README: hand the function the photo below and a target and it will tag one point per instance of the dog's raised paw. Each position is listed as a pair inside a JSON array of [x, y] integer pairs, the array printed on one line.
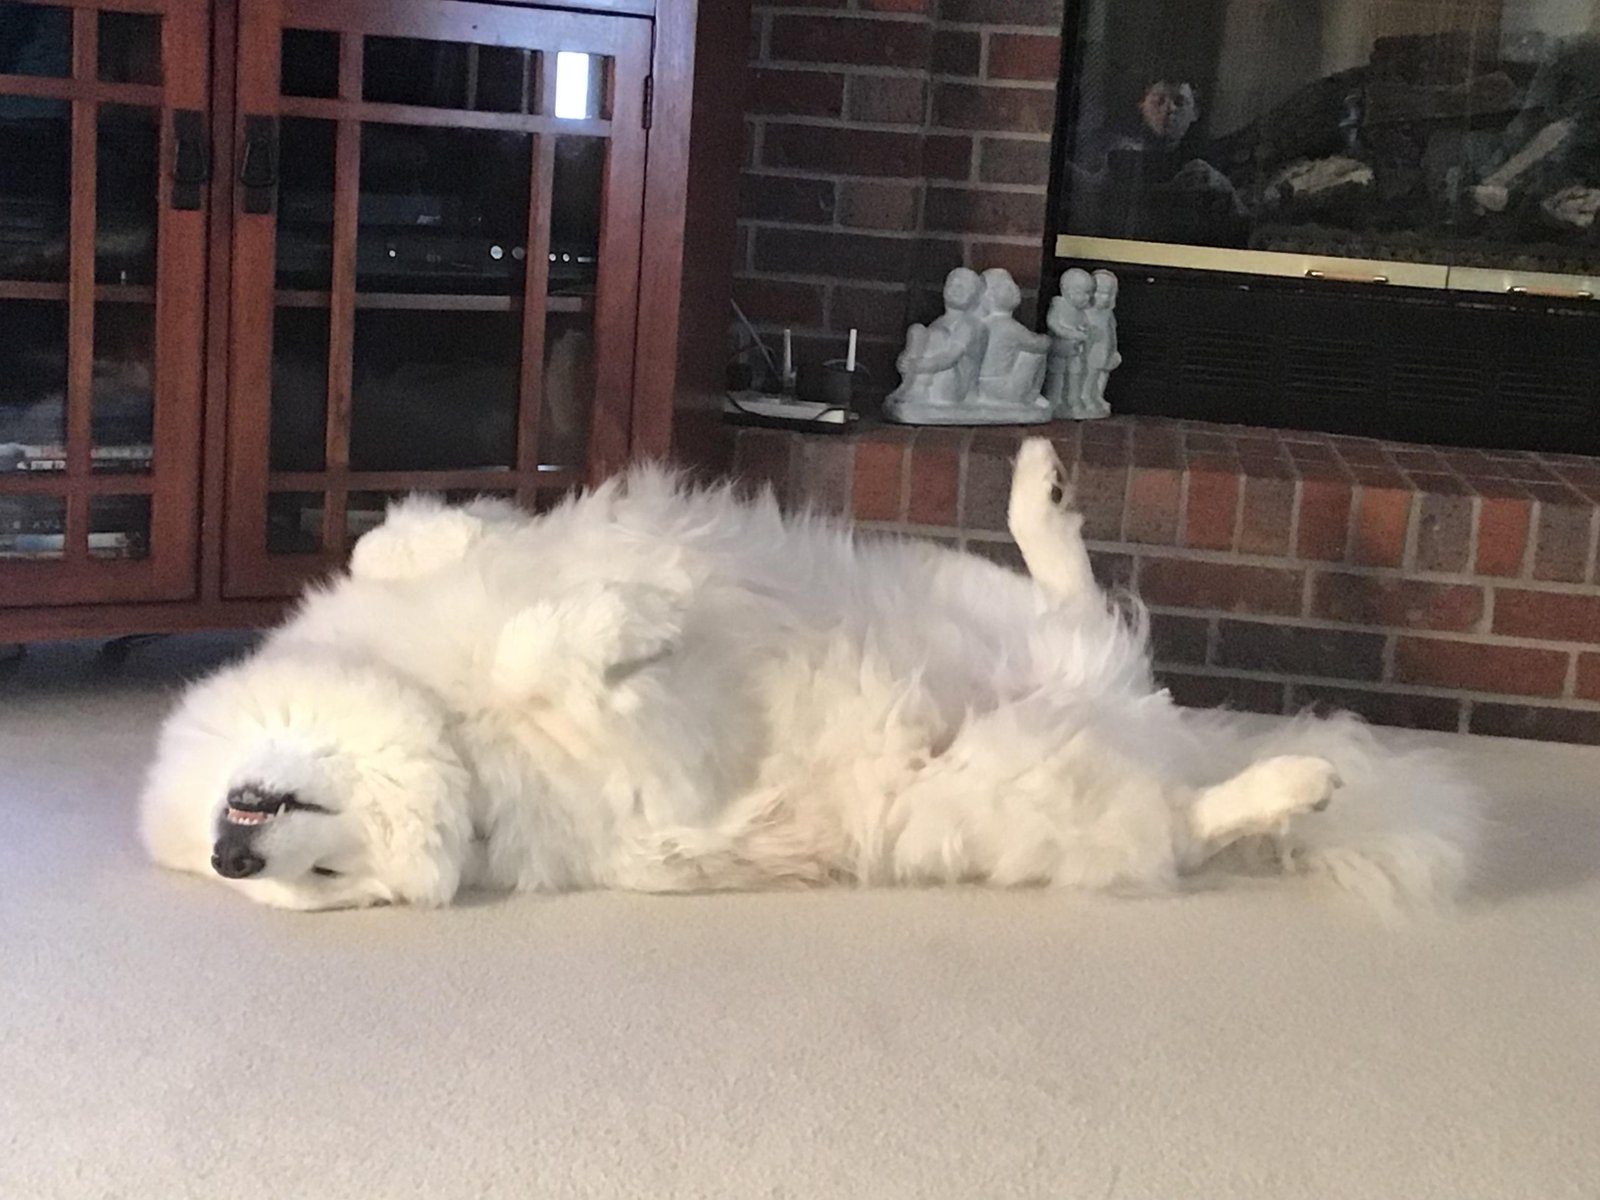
[[1039, 480]]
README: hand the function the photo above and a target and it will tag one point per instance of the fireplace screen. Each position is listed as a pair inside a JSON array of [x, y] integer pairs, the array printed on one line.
[[1435, 143]]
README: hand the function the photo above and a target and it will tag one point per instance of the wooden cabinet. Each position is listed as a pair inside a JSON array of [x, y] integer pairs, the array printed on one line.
[[447, 246]]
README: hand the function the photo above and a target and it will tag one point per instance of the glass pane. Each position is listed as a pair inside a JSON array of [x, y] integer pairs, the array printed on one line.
[[568, 390], [124, 386], [305, 203], [119, 526], [442, 210], [33, 385], [127, 190], [575, 214], [310, 63], [299, 389], [413, 71], [504, 80], [33, 526], [294, 522], [434, 390], [35, 187], [582, 86], [35, 39], [130, 47]]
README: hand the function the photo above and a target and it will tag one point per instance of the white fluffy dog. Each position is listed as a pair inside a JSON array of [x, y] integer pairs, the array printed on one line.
[[664, 689]]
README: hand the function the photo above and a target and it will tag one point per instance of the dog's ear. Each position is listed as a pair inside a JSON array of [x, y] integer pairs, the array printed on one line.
[[588, 643], [420, 535]]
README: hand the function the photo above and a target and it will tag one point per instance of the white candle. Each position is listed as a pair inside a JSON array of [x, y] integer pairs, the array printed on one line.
[[788, 355], [850, 355]]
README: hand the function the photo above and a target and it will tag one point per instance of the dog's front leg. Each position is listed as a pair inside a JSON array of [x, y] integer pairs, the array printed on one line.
[[1047, 528], [1261, 799]]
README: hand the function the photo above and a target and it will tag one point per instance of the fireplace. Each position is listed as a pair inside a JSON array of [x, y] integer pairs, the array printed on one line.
[[1371, 217]]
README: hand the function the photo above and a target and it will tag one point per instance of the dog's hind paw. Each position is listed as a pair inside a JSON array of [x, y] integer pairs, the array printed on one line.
[[1039, 480], [419, 536]]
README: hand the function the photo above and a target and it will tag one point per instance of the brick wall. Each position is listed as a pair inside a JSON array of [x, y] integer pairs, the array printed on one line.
[[1442, 589], [889, 141]]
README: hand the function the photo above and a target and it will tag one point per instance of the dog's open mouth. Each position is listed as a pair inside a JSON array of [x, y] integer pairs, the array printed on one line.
[[256, 806]]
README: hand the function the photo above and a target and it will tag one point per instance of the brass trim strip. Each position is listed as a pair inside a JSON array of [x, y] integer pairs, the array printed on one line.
[[1525, 283], [1252, 262]]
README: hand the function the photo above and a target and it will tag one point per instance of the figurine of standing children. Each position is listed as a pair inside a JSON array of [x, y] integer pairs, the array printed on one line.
[[1067, 321], [1103, 356]]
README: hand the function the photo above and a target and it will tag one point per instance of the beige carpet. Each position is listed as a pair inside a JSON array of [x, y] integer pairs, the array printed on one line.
[[161, 1038]]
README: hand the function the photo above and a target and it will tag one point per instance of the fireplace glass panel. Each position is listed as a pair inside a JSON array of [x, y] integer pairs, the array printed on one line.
[[1453, 133]]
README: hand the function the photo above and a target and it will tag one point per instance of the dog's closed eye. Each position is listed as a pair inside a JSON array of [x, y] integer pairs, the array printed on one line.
[[328, 872]]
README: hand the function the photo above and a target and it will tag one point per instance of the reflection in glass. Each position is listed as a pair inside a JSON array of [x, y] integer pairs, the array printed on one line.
[[299, 389], [310, 63], [457, 75], [35, 187], [568, 390], [294, 522], [119, 526], [130, 47], [442, 210], [127, 191], [580, 164], [434, 390], [33, 386], [35, 39], [581, 86], [123, 394], [305, 203], [33, 527]]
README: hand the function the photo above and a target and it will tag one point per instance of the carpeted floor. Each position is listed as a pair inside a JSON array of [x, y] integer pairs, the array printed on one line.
[[161, 1038]]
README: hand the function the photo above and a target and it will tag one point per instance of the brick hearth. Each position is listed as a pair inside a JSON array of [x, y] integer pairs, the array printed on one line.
[[1434, 588]]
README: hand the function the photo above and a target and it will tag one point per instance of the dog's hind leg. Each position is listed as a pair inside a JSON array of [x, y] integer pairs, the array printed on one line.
[[1261, 799], [1047, 528]]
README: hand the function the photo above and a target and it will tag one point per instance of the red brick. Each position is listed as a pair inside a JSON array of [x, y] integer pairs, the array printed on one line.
[[935, 478], [1213, 506], [1016, 110], [879, 466], [842, 151], [823, 481], [1024, 56], [1324, 519], [761, 459], [795, 93], [1113, 572], [1299, 650], [947, 156], [1102, 494], [1002, 12], [1444, 532], [1565, 538], [1379, 536], [787, 198], [1479, 667], [1176, 639], [1537, 722], [1228, 587], [1502, 534], [779, 302], [935, 258], [1396, 603], [871, 310], [1022, 260], [971, 210], [878, 205], [859, 41], [1268, 514], [1004, 553], [889, 99], [986, 498], [891, 6], [956, 52], [1153, 499], [833, 255], [1589, 676], [1014, 160], [1548, 616]]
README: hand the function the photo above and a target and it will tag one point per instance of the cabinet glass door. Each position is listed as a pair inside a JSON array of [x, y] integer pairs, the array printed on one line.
[[103, 160], [435, 264]]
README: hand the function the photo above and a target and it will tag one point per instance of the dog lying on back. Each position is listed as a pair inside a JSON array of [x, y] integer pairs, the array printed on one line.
[[665, 689]]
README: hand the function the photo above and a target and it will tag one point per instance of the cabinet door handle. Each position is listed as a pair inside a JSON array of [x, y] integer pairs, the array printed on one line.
[[191, 162], [258, 166]]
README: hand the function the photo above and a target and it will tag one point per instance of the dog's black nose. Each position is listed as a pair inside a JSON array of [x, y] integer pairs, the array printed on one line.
[[236, 862]]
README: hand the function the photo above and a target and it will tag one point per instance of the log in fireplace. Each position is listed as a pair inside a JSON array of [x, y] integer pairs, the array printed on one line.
[[1375, 217]]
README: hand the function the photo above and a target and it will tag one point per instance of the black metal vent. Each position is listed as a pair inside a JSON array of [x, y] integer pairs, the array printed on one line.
[[1315, 366], [1225, 358]]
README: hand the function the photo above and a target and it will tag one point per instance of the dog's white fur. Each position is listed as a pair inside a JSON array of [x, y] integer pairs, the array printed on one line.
[[666, 689]]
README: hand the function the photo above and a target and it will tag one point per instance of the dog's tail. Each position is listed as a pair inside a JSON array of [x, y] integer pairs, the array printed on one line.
[[1402, 829]]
